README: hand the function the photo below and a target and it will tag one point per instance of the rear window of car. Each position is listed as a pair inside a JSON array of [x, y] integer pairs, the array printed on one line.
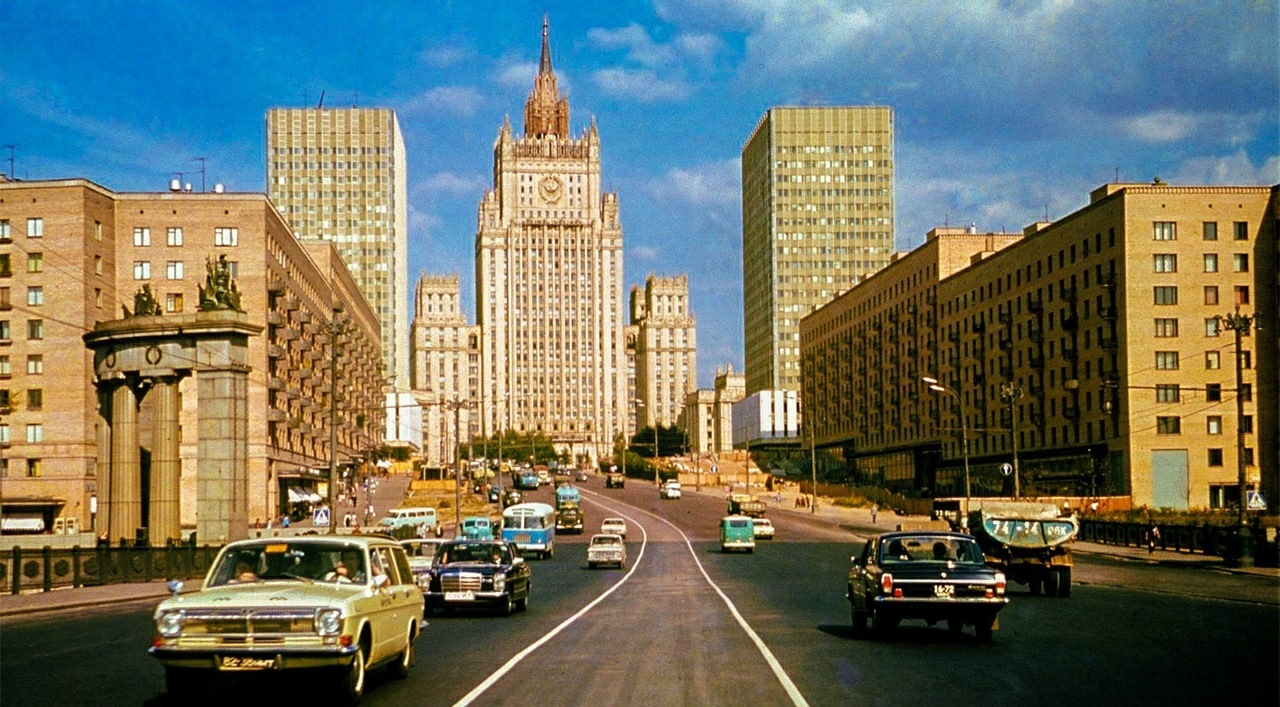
[[739, 524], [926, 548]]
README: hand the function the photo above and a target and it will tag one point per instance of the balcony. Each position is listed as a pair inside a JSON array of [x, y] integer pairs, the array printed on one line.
[[275, 383], [1036, 360], [1071, 412], [953, 336], [979, 326], [1006, 343], [1071, 353], [1108, 280], [1035, 306], [274, 351], [1109, 343], [1071, 322], [1036, 335], [1006, 369], [1005, 317], [1108, 311], [1069, 293], [275, 318], [274, 415]]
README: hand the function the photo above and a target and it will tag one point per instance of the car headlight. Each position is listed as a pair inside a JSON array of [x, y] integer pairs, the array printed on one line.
[[499, 582], [170, 624], [329, 622]]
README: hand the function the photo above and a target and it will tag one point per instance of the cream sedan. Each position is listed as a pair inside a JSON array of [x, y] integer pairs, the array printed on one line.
[[343, 602]]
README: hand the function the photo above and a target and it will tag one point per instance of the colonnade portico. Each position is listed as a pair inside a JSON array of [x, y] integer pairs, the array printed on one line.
[[146, 357]]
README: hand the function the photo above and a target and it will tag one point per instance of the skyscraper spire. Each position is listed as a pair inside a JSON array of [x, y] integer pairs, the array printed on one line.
[[544, 65], [546, 113]]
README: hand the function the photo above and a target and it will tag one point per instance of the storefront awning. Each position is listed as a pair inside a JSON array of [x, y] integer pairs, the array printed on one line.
[[22, 523]]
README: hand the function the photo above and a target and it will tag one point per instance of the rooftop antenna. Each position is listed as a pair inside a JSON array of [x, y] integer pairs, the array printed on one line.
[[12, 175], [1117, 175], [1046, 212], [321, 103], [202, 161]]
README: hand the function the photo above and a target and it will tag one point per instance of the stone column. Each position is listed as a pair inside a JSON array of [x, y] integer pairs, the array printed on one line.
[[164, 519], [222, 480], [125, 509], [102, 465]]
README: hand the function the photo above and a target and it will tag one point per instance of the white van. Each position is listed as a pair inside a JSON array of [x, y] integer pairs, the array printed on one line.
[[411, 517]]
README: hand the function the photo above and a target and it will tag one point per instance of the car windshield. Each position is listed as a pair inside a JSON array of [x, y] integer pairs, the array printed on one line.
[[473, 552], [929, 548], [606, 541], [290, 561], [613, 522]]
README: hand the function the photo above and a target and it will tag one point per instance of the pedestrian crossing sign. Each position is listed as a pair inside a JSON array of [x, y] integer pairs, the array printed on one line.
[[320, 516], [1256, 501]]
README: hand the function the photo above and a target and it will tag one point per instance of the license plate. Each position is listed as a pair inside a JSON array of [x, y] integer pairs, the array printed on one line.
[[522, 538], [945, 591], [459, 596], [235, 662]]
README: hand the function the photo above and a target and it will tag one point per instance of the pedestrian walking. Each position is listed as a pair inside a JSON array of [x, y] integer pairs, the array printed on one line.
[[875, 511], [284, 521], [1152, 536]]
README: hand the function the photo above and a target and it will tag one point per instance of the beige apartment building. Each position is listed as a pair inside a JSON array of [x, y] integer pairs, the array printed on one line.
[[1089, 354], [339, 175], [708, 413], [445, 375], [817, 217], [666, 356], [72, 253], [549, 277]]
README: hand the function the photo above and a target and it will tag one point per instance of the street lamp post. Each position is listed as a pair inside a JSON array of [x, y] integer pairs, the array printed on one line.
[[456, 406], [1240, 324], [1012, 393], [937, 387], [337, 327]]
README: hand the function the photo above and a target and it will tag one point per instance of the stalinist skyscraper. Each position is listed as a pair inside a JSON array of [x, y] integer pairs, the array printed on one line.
[[549, 282]]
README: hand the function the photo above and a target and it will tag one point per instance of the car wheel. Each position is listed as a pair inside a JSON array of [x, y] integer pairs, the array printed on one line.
[[182, 682], [351, 684], [508, 605], [399, 668], [859, 619], [1051, 583], [1064, 582], [986, 629], [522, 604]]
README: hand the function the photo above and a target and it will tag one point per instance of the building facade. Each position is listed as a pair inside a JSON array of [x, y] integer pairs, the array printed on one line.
[[1089, 354], [708, 413], [445, 375], [817, 217], [338, 174], [549, 277], [72, 253], [666, 357]]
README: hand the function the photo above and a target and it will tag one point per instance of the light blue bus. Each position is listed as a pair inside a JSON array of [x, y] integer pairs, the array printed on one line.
[[532, 527]]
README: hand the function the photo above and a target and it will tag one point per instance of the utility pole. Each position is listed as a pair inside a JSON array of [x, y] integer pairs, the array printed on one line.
[[1240, 324], [337, 327], [1012, 393]]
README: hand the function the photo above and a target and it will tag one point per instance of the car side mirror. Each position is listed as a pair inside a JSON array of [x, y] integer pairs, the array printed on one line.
[[175, 586], [381, 580], [517, 561]]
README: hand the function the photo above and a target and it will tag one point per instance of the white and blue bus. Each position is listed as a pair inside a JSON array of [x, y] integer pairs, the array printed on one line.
[[532, 527]]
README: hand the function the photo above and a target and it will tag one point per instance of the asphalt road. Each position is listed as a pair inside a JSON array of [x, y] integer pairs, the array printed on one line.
[[685, 624]]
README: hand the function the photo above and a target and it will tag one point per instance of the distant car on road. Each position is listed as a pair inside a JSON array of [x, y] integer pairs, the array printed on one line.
[[511, 497], [617, 526], [930, 575], [479, 573], [422, 553], [580, 476], [762, 528], [737, 533], [669, 489], [607, 549]]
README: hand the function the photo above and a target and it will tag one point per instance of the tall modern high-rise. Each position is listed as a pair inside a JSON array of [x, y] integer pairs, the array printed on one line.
[[817, 217], [338, 174], [549, 281], [666, 347]]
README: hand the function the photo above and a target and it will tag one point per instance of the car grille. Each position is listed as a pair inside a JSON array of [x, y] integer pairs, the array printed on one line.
[[461, 582], [249, 627]]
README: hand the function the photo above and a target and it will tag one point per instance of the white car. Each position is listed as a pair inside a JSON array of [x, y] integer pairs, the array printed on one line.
[[607, 549], [669, 490], [762, 528], [617, 526]]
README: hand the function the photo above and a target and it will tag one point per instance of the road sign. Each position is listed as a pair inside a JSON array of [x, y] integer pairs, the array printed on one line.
[[320, 516], [613, 467], [1256, 502], [1006, 468], [715, 469]]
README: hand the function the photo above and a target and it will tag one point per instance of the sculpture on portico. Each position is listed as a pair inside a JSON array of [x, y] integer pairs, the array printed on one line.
[[219, 290]]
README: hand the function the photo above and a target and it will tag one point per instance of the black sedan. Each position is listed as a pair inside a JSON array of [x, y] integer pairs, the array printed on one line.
[[479, 574], [930, 575]]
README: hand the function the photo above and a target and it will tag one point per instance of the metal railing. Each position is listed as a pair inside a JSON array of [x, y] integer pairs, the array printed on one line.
[[46, 568]]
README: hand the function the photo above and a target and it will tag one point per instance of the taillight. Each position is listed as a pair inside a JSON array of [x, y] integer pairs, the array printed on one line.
[[1000, 583], [886, 583]]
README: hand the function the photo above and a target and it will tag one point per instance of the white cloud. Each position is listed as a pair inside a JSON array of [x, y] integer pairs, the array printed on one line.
[[639, 84], [1166, 126], [445, 55], [643, 50], [460, 101], [714, 184], [519, 75], [644, 252], [451, 185], [1236, 168]]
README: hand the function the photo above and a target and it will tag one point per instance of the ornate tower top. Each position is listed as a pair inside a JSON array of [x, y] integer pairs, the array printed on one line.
[[546, 112]]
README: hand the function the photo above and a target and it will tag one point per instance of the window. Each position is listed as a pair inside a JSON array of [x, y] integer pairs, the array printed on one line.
[[35, 364], [1168, 393], [35, 296], [1215, 459], [175, 236], [1166, 294], [1246, 424], [1211, 230], [1213, 392], [34, 468], [1168, 425], [174, 269], [35, 433], [4, 433], [142, 270], [35, 262], [1165, 262], [1246, 392], [6, 267], [1214, 424], [1240, 230], [97, 265], [1242, 294], [35, 399], [1246, 455], [173, 302], [141, 236], [5, 371], [5, 302], [1167, 360], [4, 330], [1211, 262], [35, 329], [1166, 327], [1165, 230], [1211, 326], [35, 228], [1240, 262], [1210, 294], [226, 236], [5, 233]]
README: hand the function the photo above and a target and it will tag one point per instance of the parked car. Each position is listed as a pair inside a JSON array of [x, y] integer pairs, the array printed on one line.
[[617, 526], [669, 489], [422, 554], [607, 549], [479, 573], [930, 575], [762, 528], [737, 533], [408, 517], [343, 602]]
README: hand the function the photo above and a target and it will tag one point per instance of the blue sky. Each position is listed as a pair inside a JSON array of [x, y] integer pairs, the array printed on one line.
[[1005, 111]]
